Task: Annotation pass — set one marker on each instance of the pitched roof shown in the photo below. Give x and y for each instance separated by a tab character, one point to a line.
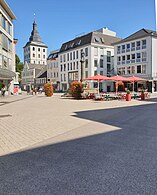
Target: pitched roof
42	73
92	37
53	55
35	38
139	34
77	42
36	66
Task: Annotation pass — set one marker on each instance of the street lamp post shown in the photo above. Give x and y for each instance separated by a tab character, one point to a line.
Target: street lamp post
82	65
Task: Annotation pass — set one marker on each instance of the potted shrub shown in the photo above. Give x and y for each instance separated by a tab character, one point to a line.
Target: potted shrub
48	89
128	96
76	89
143	95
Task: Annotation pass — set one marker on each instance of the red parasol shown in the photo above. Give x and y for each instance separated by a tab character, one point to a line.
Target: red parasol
98	78
135	79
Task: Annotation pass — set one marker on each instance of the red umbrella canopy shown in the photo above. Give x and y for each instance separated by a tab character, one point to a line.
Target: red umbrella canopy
135	79
98	78
118	78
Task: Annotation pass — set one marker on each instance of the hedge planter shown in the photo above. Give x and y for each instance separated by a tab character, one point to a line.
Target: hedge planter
48	89
76	89
128	97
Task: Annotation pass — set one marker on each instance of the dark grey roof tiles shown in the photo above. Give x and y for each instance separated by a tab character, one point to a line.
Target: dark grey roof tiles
77	42
139	34
35	38
93	37
52	56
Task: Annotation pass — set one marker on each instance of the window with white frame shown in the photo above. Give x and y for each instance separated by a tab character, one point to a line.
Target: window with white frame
101	63
67	56
101	72
70	55
86	63
119	58
73	55
139	69
60	58
144	56
108	56
95	63
128	70
144	42
86	51
108	68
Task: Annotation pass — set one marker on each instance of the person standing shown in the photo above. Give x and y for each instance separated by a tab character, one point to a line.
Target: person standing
3	90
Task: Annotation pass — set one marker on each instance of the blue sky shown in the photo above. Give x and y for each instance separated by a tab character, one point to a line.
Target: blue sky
62	20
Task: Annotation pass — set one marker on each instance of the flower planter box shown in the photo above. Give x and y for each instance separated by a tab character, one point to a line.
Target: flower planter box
128	97
143	96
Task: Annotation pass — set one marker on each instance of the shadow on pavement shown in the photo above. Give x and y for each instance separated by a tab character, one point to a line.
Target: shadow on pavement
116	162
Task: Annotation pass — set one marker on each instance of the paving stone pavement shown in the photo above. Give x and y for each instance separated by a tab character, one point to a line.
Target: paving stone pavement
68	147
33	120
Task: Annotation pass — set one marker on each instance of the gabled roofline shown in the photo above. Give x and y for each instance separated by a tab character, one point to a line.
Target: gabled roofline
7	8
127	39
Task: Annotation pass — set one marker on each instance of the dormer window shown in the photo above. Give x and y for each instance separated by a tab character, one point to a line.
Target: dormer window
66	47
33	48
79	42
102	40
97	39
72	45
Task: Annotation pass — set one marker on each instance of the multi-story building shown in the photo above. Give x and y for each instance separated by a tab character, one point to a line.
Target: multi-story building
98	50
35	59
35	51
7	47
136	55
53	69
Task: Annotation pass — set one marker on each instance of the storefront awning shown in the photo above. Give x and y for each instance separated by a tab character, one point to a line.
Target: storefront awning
6	74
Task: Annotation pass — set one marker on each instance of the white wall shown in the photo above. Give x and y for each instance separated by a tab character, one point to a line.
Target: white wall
154	57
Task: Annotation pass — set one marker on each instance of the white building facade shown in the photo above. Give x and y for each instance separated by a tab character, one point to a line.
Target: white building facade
7	47
98	50
136	55
53	69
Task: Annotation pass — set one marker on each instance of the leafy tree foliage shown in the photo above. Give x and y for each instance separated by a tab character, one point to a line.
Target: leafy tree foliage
19	65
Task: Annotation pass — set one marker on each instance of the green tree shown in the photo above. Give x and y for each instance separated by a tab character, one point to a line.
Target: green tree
19	65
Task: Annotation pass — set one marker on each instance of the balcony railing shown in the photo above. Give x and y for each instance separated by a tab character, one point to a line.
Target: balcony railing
118	52
118	63
123	62
123	50
138	60
128	61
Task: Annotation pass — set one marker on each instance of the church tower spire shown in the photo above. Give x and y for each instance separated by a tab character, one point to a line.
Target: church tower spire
35	51
35	37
